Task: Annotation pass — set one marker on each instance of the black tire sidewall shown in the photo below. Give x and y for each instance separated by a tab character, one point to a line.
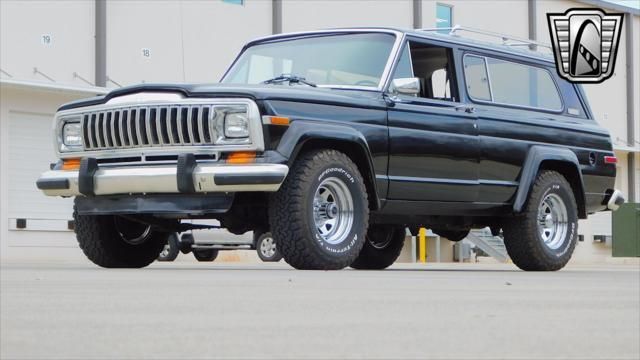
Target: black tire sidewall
375	257
205	255
174	248
560	189
354	240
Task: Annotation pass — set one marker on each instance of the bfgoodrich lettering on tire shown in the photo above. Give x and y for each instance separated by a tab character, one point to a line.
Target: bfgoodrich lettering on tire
544	236
320	214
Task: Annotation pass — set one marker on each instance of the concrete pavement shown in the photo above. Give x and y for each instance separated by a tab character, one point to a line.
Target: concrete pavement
71	309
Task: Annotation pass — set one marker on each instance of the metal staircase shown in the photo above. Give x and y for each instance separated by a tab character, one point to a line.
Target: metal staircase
492	245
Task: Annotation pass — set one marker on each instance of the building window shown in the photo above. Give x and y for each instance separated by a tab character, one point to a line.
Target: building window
236	2
444	16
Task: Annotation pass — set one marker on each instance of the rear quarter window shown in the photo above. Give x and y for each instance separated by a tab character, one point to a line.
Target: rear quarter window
511	83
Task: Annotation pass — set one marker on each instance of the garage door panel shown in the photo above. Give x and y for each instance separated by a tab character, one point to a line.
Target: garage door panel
30	153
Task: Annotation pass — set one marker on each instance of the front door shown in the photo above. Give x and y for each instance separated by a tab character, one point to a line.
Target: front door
433	137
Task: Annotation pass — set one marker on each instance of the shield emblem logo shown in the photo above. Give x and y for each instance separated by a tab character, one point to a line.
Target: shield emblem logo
585	43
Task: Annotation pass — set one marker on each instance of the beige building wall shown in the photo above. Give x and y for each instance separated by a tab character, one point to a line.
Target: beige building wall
318	14
183	41
466	13
27	103
56	37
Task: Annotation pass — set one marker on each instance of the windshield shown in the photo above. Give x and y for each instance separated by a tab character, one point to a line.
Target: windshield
338	60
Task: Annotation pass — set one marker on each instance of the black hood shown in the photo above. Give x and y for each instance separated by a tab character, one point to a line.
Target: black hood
301	93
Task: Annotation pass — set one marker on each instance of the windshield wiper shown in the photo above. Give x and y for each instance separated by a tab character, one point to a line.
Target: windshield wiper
292	79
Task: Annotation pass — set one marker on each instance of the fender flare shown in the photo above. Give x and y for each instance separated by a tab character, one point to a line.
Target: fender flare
535	157
301	132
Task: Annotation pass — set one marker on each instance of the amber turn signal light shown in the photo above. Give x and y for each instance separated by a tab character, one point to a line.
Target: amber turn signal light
242	157
71	164
276	120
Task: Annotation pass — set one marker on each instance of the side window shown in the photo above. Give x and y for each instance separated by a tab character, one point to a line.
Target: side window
535	86
433	66
510	83
476	78
404	69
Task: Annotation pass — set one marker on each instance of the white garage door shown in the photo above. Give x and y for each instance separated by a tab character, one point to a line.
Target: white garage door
30	153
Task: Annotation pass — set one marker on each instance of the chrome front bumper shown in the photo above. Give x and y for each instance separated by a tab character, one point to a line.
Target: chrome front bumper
165	179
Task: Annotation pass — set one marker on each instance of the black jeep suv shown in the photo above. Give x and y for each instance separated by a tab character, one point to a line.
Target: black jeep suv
337	141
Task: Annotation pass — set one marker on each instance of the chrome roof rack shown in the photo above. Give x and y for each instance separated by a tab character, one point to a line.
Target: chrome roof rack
507	40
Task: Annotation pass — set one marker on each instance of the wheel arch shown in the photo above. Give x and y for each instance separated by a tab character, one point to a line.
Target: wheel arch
562	160
303	136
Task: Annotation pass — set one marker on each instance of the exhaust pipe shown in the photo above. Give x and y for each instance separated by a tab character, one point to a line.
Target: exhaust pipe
615	200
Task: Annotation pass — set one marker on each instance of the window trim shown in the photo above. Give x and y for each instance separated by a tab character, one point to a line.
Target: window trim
561	110
385	78
452	67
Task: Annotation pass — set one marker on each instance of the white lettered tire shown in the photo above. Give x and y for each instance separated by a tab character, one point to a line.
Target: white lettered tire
320	214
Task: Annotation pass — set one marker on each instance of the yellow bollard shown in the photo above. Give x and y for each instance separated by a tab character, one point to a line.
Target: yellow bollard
422	236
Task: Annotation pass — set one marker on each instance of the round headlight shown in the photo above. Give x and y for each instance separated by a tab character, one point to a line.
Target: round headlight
236	125
72	134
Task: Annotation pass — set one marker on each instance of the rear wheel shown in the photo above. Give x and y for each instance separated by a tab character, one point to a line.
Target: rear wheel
115	242
320	214
544	236
382	248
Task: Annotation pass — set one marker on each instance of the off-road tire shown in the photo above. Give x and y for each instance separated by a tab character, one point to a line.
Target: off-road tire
522	238
101	243
382	248
205	255
260	236
173	249
291	212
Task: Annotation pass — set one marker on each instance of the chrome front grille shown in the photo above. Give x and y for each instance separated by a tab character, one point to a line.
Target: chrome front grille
149	126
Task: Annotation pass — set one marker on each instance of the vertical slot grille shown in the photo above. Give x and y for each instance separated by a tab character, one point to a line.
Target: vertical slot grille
175	125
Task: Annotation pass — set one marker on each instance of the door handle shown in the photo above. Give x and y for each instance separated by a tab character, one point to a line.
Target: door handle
466	108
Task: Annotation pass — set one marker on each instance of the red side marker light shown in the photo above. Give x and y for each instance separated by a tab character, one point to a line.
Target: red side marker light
610	160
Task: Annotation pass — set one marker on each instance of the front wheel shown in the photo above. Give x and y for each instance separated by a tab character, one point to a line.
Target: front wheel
382	248
544	236
320	214
115	242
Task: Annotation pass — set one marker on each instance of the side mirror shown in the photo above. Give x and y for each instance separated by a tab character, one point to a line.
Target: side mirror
406	86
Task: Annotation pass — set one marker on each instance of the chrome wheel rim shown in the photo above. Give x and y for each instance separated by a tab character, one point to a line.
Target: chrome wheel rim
165	250
553	221
131	232
382	241
268	247
333	210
